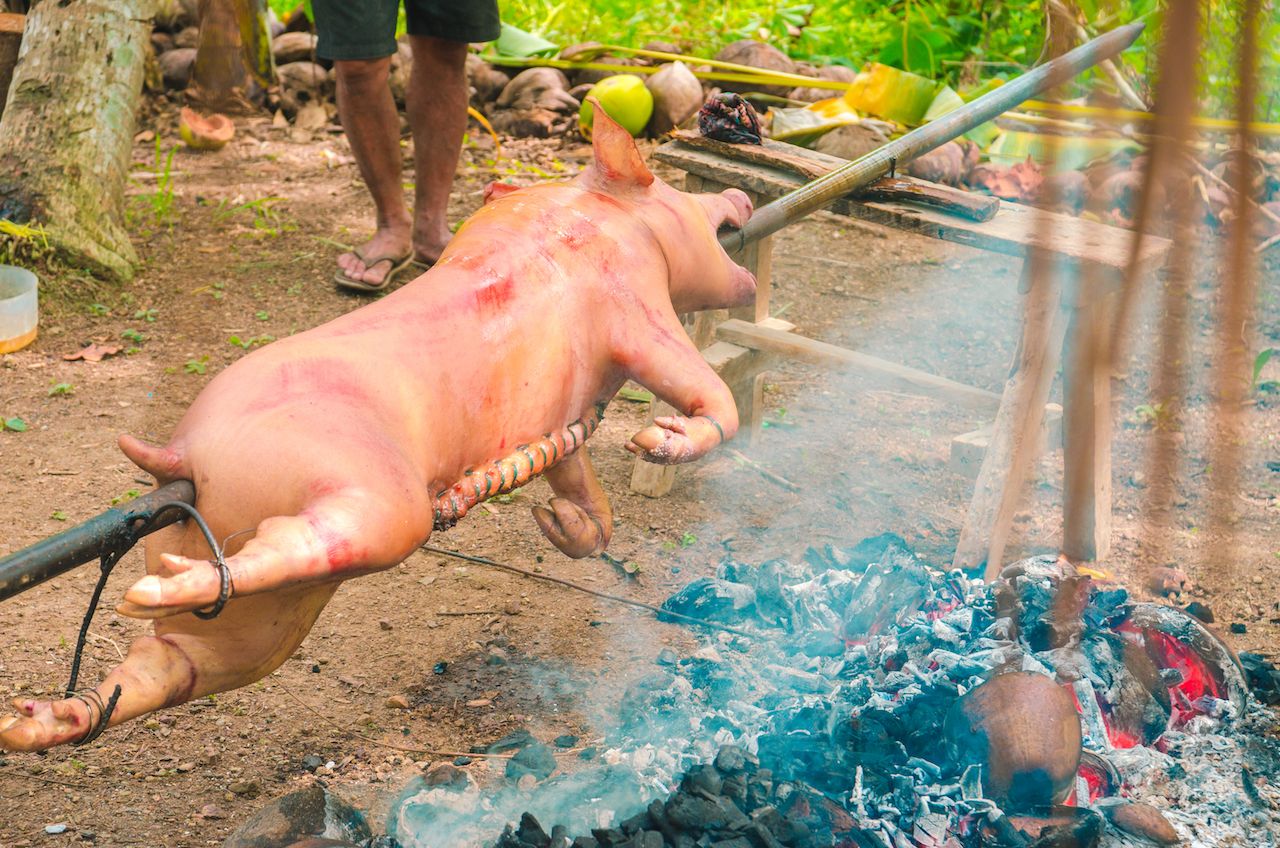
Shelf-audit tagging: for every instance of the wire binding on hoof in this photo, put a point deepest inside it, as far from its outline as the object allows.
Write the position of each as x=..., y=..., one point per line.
x=99, y=713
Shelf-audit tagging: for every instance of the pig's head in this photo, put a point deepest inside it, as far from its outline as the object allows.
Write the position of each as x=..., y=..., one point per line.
x=701, y=274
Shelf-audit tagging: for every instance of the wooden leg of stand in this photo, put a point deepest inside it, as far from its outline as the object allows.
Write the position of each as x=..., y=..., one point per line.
x=1016, y=432
x=1086, y=437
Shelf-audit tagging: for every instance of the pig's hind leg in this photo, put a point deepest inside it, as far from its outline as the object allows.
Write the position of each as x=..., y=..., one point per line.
x=186, y=658
x=579, y=521
x=663, y=359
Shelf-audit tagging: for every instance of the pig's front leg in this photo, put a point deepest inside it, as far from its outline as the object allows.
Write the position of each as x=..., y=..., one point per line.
x=579, y=521
x=663, y=359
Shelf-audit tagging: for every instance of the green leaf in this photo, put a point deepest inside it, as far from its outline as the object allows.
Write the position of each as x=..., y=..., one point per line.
x=59, y=515
x=635, y=395
x=520, y=44
x=15, y=424
x=1260, y=362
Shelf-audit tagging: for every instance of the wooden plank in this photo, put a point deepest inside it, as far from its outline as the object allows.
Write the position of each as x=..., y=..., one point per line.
x=1086, y=437
x=756, y=258
x=1014, y=229
x=1008, y=457
x=892, y=374
x=954, y=201
x=969, y=449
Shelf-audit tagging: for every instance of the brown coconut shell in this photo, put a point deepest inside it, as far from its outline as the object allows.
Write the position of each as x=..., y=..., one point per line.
x=205, y=133
x=1023, y=729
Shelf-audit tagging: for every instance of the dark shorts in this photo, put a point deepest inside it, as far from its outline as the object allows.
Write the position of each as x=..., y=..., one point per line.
x=366, y=29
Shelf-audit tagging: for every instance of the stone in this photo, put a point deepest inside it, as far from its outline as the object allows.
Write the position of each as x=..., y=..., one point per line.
x=293, y=47
x=247, y=788
x=757, y=54
x=535, y=759
x=565, y=741
x=667, y=657
x=311, y=812
x=311, y=762
x=445, y=774
x=397, y=702
x=175, y=67
x=53, y=829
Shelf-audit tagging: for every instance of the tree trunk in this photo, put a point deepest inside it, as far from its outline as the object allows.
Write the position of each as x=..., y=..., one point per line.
x=10, y=40
x=234, y=67
x=67, y=131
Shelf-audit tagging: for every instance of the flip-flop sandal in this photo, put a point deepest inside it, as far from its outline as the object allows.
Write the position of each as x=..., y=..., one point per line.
x=398, y=264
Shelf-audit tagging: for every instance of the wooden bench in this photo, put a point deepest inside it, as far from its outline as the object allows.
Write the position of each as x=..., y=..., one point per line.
x=1065, y=313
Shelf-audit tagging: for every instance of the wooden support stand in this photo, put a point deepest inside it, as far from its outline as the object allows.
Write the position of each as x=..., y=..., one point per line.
x=1064, y=322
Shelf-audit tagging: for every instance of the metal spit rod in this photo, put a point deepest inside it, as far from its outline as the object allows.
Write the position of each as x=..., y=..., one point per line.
x=864, y=170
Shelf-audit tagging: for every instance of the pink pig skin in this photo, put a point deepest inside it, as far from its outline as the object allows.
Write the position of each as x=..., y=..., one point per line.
x=329, y=446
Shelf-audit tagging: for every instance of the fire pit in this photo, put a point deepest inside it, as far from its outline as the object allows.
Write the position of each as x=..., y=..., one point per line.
x=886, y=703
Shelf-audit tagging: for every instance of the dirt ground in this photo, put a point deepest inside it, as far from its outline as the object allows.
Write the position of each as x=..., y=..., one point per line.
x=475, y=653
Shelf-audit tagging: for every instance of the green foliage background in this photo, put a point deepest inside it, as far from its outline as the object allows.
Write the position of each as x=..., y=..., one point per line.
x=960, y=41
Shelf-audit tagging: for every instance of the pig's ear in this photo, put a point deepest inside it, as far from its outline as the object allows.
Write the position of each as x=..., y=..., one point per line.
x=496, y=190
x=617, y=160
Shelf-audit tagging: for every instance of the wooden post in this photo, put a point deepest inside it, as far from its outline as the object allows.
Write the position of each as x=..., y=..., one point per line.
x=10, y=40
x=1017, y=426
x=1086, y=434
x=649, y=478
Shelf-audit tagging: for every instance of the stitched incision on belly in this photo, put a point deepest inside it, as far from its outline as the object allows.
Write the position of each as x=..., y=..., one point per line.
x=512, y=471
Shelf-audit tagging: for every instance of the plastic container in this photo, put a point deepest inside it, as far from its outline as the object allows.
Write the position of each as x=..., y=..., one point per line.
x=18, y=311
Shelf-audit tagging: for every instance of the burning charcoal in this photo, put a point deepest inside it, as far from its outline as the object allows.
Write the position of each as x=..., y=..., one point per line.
x=635, y=824
x=1200, y=611
x=1263, y=677
x=667, y=657
x=1024, y=730
x=530, y=832
x=693, y=813
x=559, y=836
x=761, y=836
x=731, y=760
x=704, y=780
x=888, y=591
x=1238, y=627
x=735, y=786
x=512, y=741
x=536, y=759
x=647, y=839
x=736, y=842
x=609, y=837
x=585, y=842
x=1142, y=820
x=568, y=740
x=1061, y=827
x=713, y=599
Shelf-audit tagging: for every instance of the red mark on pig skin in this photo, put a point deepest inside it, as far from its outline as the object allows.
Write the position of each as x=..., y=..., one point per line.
x=184, y=693
x=495, y=294
x=339, y=551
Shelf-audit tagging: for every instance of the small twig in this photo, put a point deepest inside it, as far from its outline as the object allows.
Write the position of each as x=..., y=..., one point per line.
x=762, y=471
x=45, y=779
x=471, y=612
x=524, y=573
x=1271, y=242
x=51, y=473
x=431, y=752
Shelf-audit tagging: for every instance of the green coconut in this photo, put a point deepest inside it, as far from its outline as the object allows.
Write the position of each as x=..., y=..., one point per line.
x=624, y=98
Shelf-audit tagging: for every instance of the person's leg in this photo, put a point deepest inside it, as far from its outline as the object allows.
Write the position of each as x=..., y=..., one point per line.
x=437, y=107
x=372, y=126
x=360, y=39
x=439, y=33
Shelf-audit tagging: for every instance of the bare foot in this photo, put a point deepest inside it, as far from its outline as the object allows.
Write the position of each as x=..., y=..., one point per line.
x=42, y=724
x=387, y=242
x=429, y=242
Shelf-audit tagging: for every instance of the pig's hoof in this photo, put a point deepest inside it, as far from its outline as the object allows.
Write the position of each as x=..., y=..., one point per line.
x=43, y=724
x=194, y=584
x=576, y=532
x=667, y=442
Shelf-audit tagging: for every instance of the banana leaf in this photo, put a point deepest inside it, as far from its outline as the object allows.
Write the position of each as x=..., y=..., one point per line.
x=1057, y=152
x=805, y=126
x=892, y=94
